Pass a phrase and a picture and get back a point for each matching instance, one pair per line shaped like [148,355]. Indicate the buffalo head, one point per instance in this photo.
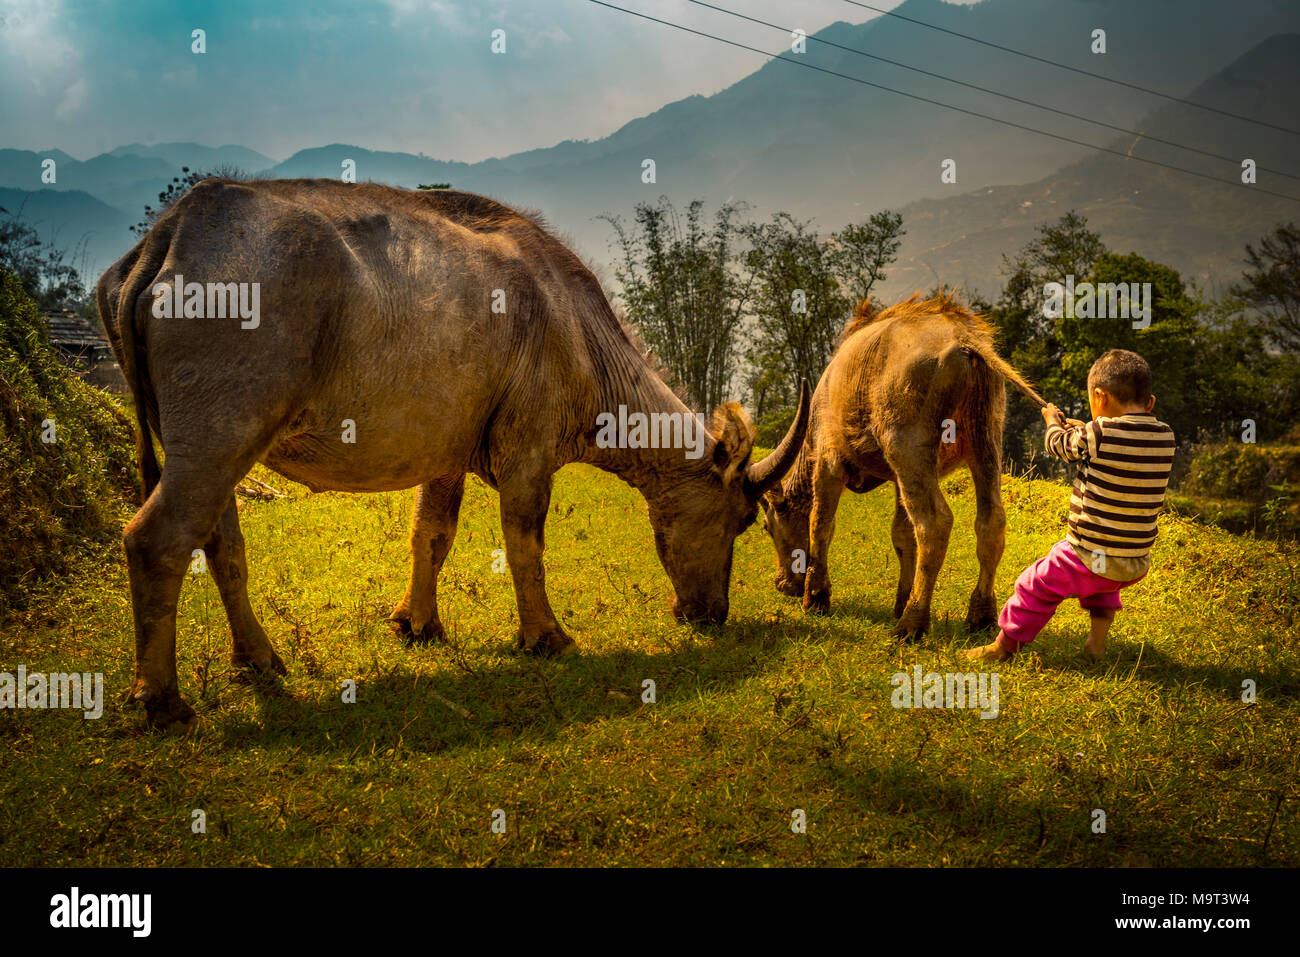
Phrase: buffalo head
[696,520]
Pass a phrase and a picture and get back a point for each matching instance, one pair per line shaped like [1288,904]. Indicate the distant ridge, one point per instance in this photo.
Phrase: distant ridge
[1195,226]
[784,138]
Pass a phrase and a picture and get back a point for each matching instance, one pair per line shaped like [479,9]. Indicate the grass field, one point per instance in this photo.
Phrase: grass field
[774,712]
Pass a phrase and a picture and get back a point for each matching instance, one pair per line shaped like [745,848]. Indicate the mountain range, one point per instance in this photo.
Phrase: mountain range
[826,147]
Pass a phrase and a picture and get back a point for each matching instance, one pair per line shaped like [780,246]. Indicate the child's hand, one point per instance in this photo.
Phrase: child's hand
[1052,415]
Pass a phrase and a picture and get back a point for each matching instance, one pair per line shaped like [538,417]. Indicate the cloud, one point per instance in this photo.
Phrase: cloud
[73,99]
[36,49]
[415,75]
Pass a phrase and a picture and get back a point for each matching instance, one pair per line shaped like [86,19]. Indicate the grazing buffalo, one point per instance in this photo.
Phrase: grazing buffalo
[910,394]
[362,338]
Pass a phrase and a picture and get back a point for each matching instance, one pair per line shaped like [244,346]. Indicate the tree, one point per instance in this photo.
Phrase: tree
[39,267]
[1235,376]
[1030,339]
[1211,365]
[863,250]
[680,290]
[1174,344]
[1272,284]
[800,308]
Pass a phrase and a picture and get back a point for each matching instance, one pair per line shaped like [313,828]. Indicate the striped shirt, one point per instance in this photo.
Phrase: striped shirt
[1123,471]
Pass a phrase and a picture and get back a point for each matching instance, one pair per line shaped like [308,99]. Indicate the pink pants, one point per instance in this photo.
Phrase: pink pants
[1061,574]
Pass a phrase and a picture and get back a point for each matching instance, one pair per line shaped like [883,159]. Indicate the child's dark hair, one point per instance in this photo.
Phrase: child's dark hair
[1123,374]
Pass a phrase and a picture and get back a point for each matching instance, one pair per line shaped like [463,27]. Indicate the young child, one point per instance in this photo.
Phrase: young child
[1124,457]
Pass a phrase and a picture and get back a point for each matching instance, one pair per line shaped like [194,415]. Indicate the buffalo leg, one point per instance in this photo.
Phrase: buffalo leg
[250,648]
[181,515]
[433,529]
[524,501]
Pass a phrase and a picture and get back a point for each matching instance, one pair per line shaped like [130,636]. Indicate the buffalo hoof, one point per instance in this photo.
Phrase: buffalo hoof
[818,602]
[430,633]
[165,710]
[793,589]
[549,644]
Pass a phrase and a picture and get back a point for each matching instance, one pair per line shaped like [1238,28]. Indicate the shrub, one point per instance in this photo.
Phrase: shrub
[57,499]
[1245,487]
[1242,471]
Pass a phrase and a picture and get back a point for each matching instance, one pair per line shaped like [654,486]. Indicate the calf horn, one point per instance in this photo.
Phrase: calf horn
[761,476]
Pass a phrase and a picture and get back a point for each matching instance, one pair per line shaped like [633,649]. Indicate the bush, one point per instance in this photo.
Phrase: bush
[1242,471]
[1245,487]
[58,499]
[772,427]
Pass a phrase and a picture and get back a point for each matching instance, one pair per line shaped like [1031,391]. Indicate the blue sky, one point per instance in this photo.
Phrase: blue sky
[411,75]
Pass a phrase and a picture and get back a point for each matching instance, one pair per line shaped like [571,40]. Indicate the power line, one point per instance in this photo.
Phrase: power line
[1075,69]
[946,106]
[1005,96]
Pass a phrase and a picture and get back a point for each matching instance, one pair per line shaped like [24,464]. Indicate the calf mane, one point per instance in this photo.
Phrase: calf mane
[945,304]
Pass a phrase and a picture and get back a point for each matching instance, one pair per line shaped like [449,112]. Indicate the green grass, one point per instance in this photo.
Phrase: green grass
[773,712]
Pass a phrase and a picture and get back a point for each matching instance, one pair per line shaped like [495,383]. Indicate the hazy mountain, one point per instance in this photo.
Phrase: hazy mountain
[399,169]
[127,177]
[126,182]
[91,232]
[199,157]
[1194,225]
[826,147]
[92,204]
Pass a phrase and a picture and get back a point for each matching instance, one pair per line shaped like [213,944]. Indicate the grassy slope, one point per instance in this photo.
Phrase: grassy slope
[63,499]
[774,712]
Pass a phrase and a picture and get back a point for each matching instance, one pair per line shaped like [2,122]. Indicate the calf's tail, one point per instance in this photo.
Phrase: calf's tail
[984,349]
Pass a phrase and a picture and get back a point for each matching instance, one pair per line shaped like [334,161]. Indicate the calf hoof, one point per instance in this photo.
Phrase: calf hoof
[431,632]
[911,627]
[978,623]
[789,587]
[549,644]
[165,710]
[818,602]
[266,669]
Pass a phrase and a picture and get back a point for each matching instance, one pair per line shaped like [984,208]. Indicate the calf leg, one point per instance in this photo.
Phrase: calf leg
[904,539]
[250,648]
[525,497]
[828,485]
[789,529]
[433,529]
[990,536]
[918,478]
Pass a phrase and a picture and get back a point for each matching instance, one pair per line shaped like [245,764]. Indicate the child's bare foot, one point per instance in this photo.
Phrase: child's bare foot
[989,652]
[1100,628]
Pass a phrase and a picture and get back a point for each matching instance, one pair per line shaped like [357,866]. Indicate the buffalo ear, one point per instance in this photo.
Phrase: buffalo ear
[734,436]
